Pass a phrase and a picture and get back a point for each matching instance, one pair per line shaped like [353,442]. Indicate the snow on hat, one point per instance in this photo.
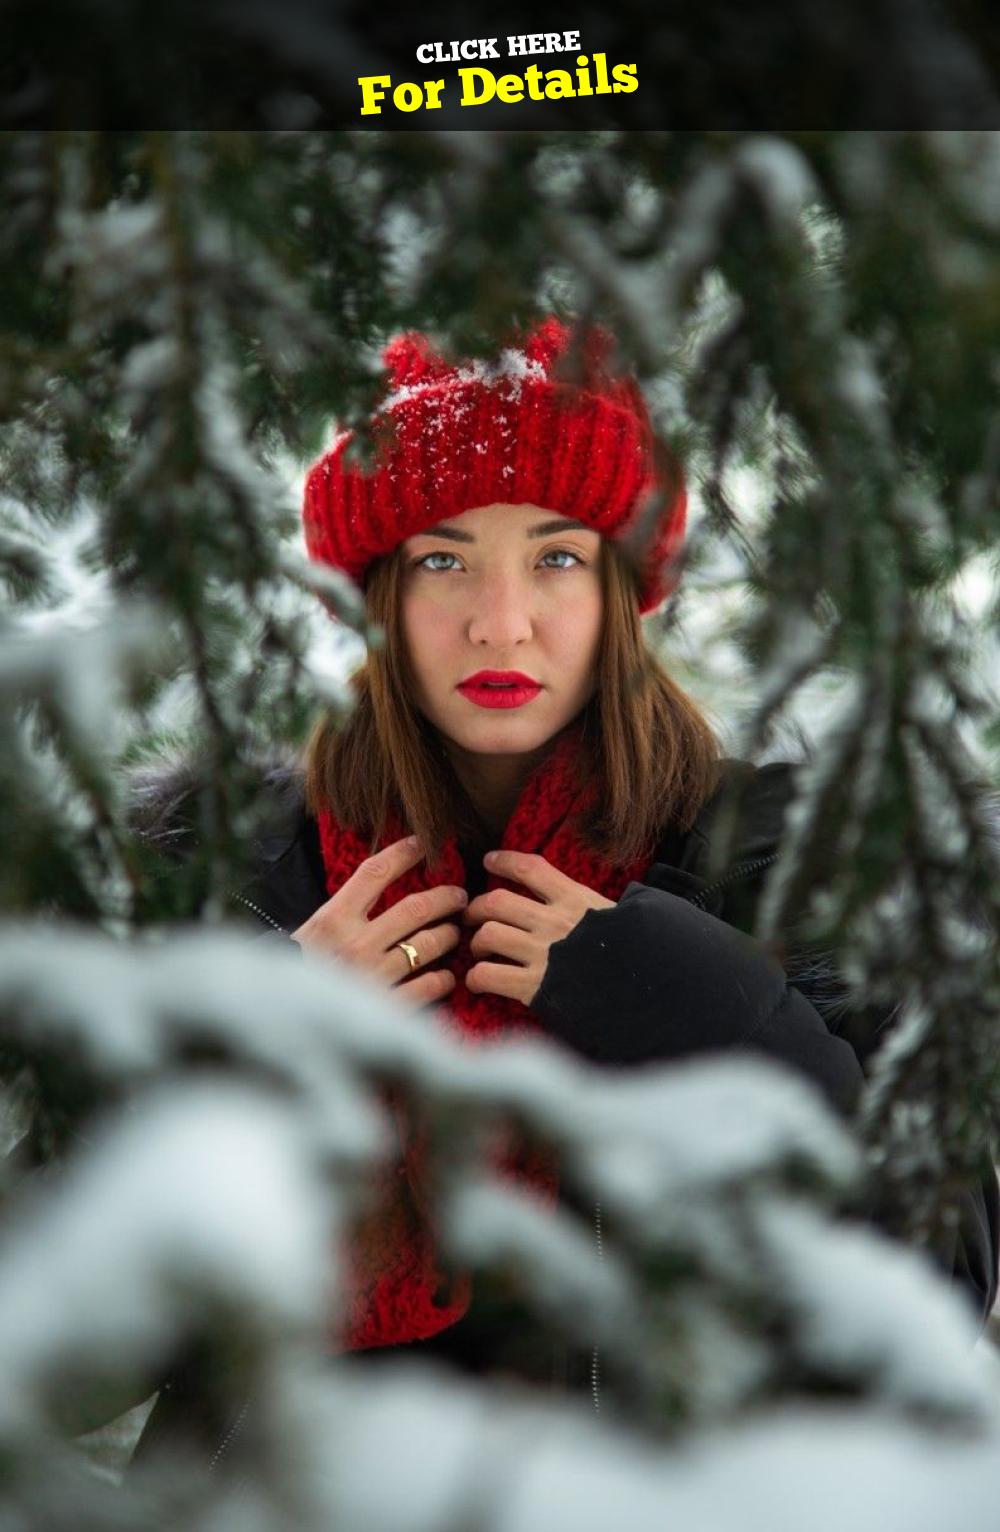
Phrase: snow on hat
[450,438]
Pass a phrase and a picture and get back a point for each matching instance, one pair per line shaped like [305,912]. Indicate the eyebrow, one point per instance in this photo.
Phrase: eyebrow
[543,529]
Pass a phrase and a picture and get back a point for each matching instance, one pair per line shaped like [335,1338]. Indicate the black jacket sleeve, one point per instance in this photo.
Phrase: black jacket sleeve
[655,978]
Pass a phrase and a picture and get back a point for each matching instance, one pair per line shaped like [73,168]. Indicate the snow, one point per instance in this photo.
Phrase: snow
[227,454]
[208,1192]
[449,1448]
[104,245]
[821,1470]
[500,1460]
[857,382]
[200,1196]
[871,1308]
[651,1151]
[324,580]
[779,172]
[636,1141]
[150,367]
[78,669]
[554,1258]
[506,376]
[975,588]
[798,648]
[409,245]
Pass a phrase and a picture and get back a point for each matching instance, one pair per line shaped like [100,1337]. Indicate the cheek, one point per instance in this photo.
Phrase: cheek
[580,628]
[428,633]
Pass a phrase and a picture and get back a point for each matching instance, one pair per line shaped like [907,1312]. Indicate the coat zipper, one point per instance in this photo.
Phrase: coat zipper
[233,1429]
[732,876]
[595,1369]
[262,914]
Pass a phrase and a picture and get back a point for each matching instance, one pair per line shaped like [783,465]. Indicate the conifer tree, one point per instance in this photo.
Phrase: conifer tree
[815,320]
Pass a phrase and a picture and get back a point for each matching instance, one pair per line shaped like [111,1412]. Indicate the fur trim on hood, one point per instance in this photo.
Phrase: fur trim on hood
[163,793]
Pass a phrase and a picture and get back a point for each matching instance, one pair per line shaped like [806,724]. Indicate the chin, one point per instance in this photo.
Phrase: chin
[485,730]
[508,738]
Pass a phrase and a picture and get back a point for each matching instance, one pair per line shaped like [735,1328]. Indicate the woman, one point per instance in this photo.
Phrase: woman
[567,799]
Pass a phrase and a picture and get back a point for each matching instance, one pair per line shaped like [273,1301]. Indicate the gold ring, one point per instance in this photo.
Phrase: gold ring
[411,953]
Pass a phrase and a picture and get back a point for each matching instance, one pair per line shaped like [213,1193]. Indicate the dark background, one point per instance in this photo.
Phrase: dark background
[724,64]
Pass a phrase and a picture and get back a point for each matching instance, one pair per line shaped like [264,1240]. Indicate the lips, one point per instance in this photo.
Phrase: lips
[498,678]
[499,688]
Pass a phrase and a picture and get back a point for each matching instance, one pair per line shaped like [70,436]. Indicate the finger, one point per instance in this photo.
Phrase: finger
[496,979]
[503,904]
[529,868]
[420,909]
[426,988]
[505,941]
[428,945]
[369,880]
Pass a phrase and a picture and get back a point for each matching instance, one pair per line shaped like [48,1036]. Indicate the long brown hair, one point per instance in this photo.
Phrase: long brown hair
[652,753]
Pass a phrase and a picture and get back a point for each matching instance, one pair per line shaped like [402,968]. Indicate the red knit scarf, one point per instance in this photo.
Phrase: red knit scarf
[396,1289]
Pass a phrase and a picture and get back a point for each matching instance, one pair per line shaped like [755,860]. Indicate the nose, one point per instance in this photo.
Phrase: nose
[502,614]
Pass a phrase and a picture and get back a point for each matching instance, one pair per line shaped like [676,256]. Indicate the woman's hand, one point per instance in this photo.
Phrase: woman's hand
[341,925]
[512,926]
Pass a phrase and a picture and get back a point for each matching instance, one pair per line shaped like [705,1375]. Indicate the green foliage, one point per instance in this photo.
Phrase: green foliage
[182,315]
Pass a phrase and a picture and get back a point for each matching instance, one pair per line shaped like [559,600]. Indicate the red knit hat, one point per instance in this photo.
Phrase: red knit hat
[451,438]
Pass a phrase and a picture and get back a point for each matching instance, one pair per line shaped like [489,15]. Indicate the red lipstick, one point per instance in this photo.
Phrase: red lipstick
[499,688]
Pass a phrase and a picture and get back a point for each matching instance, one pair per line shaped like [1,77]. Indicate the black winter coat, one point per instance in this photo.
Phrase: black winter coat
[678,945]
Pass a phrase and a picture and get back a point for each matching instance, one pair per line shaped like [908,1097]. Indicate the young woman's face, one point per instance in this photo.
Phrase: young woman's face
[499,594]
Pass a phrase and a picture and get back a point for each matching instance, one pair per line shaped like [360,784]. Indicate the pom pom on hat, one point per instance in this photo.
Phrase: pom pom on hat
[408,358]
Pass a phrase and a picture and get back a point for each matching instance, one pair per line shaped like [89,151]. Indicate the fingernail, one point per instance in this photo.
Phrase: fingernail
[413,843]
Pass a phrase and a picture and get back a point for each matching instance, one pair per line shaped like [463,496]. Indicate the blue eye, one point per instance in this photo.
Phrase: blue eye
[555,552]
[552,553]
[420,563]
